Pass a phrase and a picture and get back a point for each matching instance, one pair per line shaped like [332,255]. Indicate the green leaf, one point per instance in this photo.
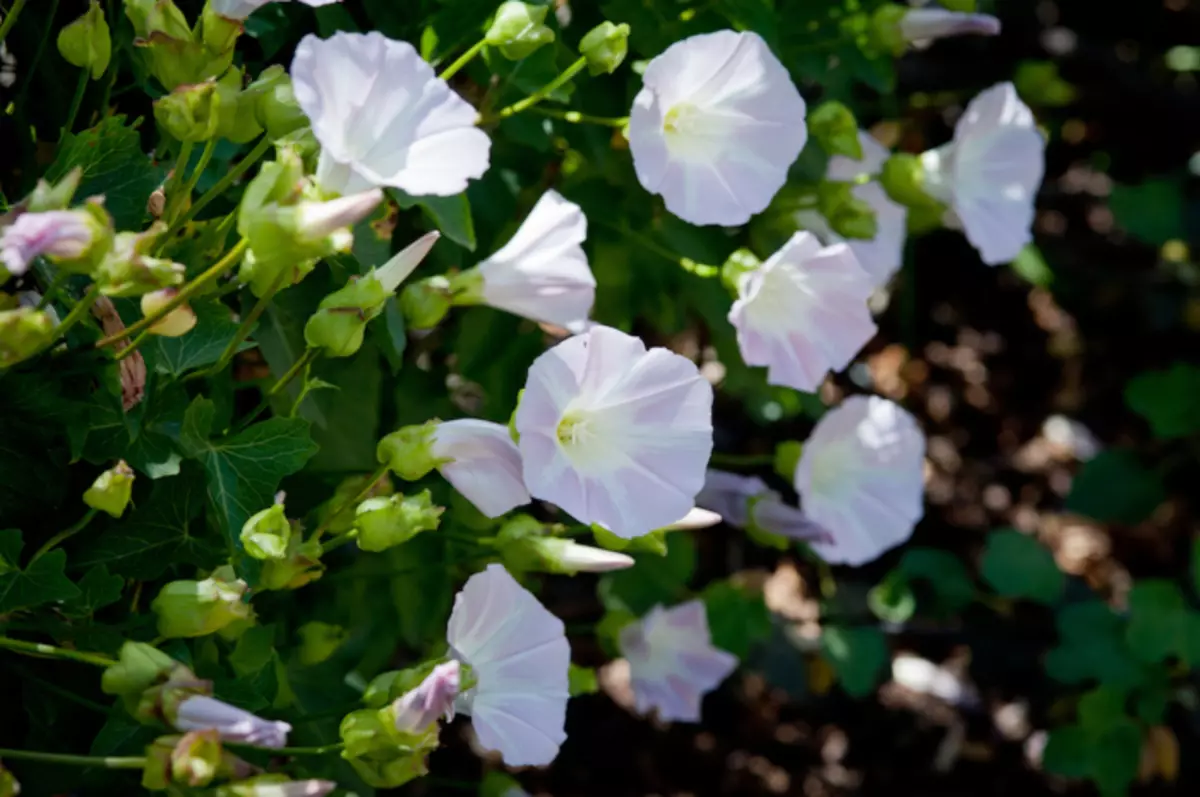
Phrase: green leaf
[1068,752]
[451,214]
[11,544]
[350,413]
[390,334]
[214,330]
[165,531]
[243,470]
[1092,647]
[738,618]
[1152,211]
[943,572]
[1105,745]
[652,580]
[1169,400]
[258,666]
[114,166]
[98,588]
[1196,566]
[1160,623]
[422,597]
[858,655]
[121,735]
[1017,566]
[1114,487]
[582,680]
[892,599]
[40,583]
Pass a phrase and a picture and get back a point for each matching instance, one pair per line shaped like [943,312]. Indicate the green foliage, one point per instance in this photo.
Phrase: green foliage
[1104,745]
[1152,211]
[1114,487]
[737,618]
[1016,566]
[41,581]
[1169,400]
[858,656]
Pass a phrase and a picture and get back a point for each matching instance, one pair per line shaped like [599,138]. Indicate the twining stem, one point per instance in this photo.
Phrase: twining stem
[133,345]
[64,535]
[42,650]
[172,188]
[76,101]
[201,165]
[221,185]
[686,263]
[542,93]
[742,460]
[462,60]
[362,494]
[108,762]
[60,279]
[10,18]
[575,117]
[185,293]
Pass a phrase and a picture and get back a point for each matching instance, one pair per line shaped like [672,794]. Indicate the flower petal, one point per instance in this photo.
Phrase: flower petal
[483,464]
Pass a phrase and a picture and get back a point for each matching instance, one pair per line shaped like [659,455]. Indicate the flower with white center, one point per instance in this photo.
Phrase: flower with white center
[989,174]
[55,233]
[240,9]
[480,460]
[615,434]
[715,127]
[231,723]
[861,477]
[803,313]
[672,663]
[747,501]
[434,697]
[922,24]
[384,118]
[881,256]
[518,654]
[542,272]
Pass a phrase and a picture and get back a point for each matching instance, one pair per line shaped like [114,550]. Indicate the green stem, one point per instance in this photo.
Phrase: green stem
[60,279]
[185,293]
[64,535]
[221,185]
[10,18]
[575,117]
[176,180]
[76,102]
[77,312]
[133,345]
[339,540]
[362,494]
[201,165]
[542,93]
[462,60]
[742,460]
[42,650]
[108,762]
[243,331]
[301,363]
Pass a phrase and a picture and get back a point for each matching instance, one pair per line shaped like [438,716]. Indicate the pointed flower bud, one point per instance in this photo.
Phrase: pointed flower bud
[267,533]
[418,709]
[425,303]
[231,723]
[199,608]
[190,112]
[833,125]
[404,262]
[112,490]
[937,23]
[57,196]
[86,42]
[23,333]
[275,785]
[558,555]
[72,239]
[605,47]
[174,324]
[387,522]
[319,641]
[275,106]
[338,326]
[518,29]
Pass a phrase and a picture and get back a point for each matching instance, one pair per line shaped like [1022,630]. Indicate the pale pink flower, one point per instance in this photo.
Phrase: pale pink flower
[747,501]
[921,24]
[481,461]
[231,723]
[53,233]
[434,697]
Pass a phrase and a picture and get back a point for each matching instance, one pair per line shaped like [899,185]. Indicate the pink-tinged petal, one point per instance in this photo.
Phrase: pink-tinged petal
[526,729]
[480,459]
[729,494]
[921,24]
[231,723]
[54,233]
[433,698]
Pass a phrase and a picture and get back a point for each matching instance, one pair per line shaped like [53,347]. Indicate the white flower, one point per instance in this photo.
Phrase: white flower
[481,461]
[384,118]
[715,127]
[542,272]
[696,518]
[921,24]
[672,662]
[989,174]
[615,434]
[803,313]
[518,655]
[861,477]
[240,9]
[882,256]
[54,233]
[231,723]
[571,557]
[404,262]
[434,697]
[747,501]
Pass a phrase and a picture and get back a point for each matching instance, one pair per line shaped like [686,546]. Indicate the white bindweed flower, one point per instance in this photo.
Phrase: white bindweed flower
[747,501]
[672,663]
[481,461]
[803,313]
[716,127]
[882,256]
[231,723]
[989,174]
[542,272]
[518,654]
[615,434]
[240,9]
[384,118]
[921,24]
[434,697]
[861,477]
[54,233]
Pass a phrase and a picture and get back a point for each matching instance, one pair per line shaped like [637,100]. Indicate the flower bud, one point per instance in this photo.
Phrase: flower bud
[266,534]
[319,641]
[275,106]
[741,262]
[275,785]
[419,708]
[9,787]
[404,262]
[903,178]
[558,555]
[338,326]
[74,240]
[387,522]
[341,500]
[848,215]
[86,42]
[232,724]
[199,608]
[128,270]
[23,333]
[894,27]
[174,324]
[57,196]
[112,490]
[190,112]
[408,451]
[237,119]
[695,519]
[301,565]
[834,127]
[425,303]
[605,47]
[518,29]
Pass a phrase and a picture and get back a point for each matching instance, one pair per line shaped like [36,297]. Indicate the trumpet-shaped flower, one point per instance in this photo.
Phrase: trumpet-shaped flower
[803,313]
[481,461]
[715,127]
[383,117]
[202,713]
[615,434]
[672,663]
[881,256]
[519,656]
[542,272]
[989,174]
[747,502]
[240,9]
[861,477]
